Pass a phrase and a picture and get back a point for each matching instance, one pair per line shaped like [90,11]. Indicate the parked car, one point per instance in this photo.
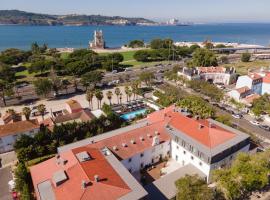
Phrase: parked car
[237,116]
[128,69]
[265,127]
[255,123]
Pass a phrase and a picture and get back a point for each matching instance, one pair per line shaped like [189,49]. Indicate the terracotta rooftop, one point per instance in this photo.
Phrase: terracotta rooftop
[249,99]
[212,69]
[135,141]
[243,90]
[109,185]
[74,105]
[18,127]
[82,116]
[254,76]
[266,79]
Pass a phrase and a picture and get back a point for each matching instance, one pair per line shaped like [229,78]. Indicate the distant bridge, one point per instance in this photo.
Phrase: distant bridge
[233,50]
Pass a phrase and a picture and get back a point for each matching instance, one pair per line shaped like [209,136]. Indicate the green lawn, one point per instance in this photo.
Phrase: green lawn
[243,67]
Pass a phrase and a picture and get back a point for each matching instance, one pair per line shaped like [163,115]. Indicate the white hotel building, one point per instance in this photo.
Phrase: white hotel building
[196,146]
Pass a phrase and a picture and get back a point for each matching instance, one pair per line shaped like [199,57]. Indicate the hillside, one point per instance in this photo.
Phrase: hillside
[17,17]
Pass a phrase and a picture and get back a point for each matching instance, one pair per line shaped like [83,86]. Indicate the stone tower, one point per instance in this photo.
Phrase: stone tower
[98,42]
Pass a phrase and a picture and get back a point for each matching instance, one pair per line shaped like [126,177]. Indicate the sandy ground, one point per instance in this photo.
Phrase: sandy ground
[56,105]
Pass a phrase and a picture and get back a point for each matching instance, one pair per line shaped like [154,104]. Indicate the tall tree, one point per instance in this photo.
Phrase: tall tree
[204,58]
[27,112]
[127,91]
[109,95]
[42,110]
[99,96]
[91,78]
[89,97]
[117,92]
[43,87]
[193,188]
[147,78]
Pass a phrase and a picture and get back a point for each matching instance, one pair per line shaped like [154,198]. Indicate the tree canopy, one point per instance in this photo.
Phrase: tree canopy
[136,43]
[204,58]
[193,188]
[248,173]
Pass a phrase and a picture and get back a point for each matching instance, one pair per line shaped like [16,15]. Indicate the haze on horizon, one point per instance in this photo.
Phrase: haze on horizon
[184,10]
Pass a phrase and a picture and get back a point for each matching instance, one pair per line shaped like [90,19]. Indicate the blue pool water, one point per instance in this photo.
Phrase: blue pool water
[132,115]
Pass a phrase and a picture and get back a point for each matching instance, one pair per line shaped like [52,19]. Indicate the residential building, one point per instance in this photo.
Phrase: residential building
[252,81]
[221,75]
[10,132]
[197,146]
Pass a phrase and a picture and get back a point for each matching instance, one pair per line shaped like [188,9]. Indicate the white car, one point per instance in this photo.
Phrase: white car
[255,123]
[236,116]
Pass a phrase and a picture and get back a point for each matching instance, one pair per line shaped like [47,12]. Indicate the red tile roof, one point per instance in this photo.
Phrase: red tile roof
[208,136]
[212,69]
[18,127]
[254,76]
[134,135]
[249,99]
[110,186]
[74,105]
[243,90]
[266,79]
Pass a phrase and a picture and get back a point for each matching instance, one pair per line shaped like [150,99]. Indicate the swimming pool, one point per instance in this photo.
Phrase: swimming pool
[132,115]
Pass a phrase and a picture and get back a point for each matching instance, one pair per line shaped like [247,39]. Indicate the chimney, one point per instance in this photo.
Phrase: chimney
[141,138]
[115,148]
[124,144]
[155,141]
[200,126]
[148,135]
[84,184]
[132,141]
[211,125]
[156,133]
[96,177]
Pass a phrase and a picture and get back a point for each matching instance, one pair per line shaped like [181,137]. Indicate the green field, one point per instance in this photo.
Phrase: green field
[243,67]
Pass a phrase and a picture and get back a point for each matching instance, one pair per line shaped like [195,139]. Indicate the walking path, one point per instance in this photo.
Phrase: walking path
[59,104]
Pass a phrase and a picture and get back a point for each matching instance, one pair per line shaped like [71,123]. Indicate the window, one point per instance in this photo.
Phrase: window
[200,163]
[176,157]
[130,159]
[142,165]
[176,139]
[192,158]
[183,143]
[184,152]
[1,140]
[168,153]
[130,170]
[177,147]
[142,154]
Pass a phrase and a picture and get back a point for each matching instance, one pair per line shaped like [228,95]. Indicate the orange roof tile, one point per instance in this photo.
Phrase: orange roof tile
[74,105]
[249,99]
[243,89]
[110,186]
[18,127]
[212,69]
[266,79]
[254,76]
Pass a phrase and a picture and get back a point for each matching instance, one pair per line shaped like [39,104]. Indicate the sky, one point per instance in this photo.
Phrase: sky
[159,10]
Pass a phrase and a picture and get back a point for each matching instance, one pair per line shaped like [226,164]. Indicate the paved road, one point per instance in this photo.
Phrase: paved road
[28,94]
[242,123]
[5,177]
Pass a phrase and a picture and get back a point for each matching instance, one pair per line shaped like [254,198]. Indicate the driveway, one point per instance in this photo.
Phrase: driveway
[5,177]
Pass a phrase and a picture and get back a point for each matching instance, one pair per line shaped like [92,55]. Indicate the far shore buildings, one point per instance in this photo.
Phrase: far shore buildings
[217,75]
[98,42]
[252,86]
[108,166]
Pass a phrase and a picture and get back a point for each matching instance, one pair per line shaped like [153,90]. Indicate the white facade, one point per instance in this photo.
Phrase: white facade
[254,85]
[148,157]
[7,142]
[265,88]
[185,157]
[235,95]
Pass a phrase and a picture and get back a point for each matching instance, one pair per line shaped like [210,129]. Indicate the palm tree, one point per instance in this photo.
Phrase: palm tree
[89,97]
[129,94]
[99,96]
[135,87]
[27,112]
[42,110]
[109,96]
[121,96]
[127,91]
[117,92]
